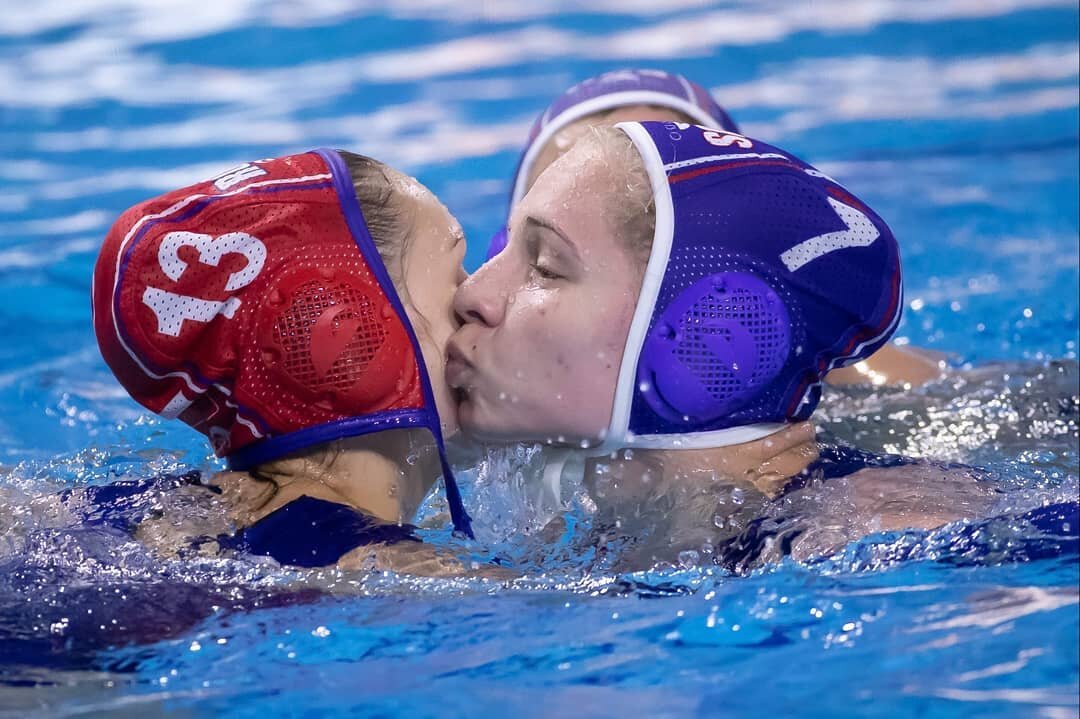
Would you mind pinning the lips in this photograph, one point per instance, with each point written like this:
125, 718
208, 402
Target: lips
458, 368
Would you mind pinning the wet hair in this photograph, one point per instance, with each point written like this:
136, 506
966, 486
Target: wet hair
378, 189
635, 211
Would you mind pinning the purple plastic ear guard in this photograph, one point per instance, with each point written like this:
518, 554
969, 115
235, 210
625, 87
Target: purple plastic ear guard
714, 348
497, 244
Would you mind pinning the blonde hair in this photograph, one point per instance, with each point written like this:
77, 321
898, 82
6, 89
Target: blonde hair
634, 207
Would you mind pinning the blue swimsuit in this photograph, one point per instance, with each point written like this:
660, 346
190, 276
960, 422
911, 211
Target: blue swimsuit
306, 532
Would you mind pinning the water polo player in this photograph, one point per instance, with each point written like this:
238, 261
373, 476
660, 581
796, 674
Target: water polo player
644, 95
681, 292
294, 311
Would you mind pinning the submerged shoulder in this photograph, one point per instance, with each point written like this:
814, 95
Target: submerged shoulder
920, 495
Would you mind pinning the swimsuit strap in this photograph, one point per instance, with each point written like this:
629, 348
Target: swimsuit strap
840, 461
310, 532
123, 504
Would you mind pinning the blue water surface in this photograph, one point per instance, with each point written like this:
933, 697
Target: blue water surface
957, 120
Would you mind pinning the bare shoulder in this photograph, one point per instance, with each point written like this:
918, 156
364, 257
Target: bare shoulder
418, 559
922, 495
892, 365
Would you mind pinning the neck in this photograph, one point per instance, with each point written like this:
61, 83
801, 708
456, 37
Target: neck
386, 475
764, 464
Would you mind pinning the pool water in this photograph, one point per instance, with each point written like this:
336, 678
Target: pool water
957, 120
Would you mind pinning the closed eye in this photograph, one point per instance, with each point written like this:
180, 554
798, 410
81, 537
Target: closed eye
545, 272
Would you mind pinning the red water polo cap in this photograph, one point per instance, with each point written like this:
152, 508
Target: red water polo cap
254, 306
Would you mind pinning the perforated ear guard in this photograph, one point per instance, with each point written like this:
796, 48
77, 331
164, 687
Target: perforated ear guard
714, 348
329, 335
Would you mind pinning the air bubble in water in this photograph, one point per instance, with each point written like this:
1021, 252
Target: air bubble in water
689, 559
737, 496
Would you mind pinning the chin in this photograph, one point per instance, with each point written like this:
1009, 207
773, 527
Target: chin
482, 429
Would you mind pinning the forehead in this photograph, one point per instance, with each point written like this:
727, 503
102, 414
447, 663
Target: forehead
578, 190
424, 206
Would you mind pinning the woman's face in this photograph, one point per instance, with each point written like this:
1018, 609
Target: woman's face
431, 271
545, 321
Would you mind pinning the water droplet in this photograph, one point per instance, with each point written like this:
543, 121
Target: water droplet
737, 496
719, 520
689, 558
628, 454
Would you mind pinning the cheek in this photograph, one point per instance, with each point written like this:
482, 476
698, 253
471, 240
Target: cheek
567, 343
432, 293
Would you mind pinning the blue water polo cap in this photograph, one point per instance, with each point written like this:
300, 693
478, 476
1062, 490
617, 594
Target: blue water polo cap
764, 275
608, 91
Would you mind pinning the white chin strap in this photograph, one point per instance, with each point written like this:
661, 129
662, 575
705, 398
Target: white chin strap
618, 435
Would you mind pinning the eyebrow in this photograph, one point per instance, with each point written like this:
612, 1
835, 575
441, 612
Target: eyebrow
541, 222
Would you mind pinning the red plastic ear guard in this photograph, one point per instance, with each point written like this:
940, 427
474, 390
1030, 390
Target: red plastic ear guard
327, 335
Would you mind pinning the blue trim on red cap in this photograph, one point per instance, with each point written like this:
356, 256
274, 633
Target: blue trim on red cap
428, 415
281, 445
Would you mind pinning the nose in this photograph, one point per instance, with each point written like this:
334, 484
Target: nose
481, 299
